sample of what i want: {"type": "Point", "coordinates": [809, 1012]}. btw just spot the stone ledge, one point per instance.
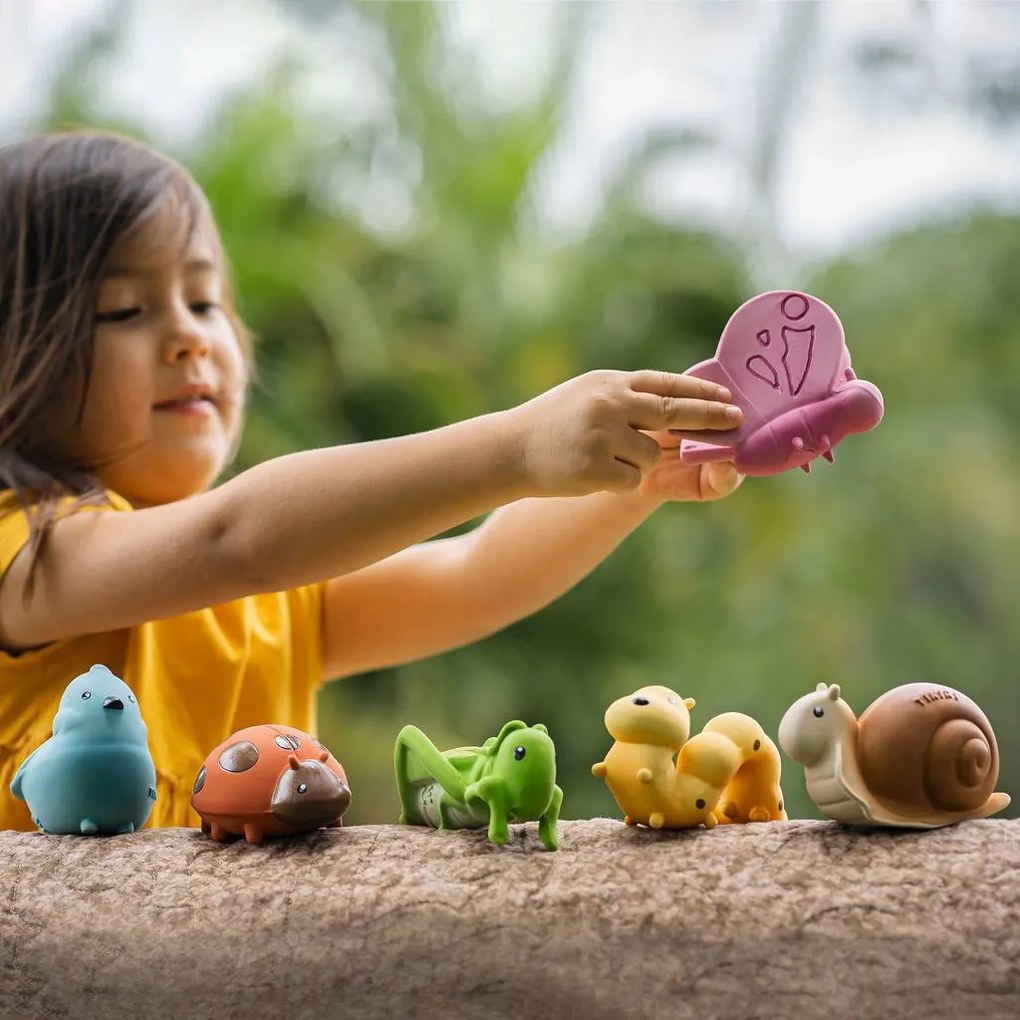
{"type": "Point", "coordinates": [796, 919]}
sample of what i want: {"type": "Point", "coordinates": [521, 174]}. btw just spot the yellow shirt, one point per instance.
{"type": "Point", "coordinates": [197, 677]}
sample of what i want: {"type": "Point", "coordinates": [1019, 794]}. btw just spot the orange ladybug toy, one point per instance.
{"type": "Point", "coordinates": [269, 781]}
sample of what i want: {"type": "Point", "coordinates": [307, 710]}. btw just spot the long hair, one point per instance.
{"type": "Point", "coordinates": [66, 199]}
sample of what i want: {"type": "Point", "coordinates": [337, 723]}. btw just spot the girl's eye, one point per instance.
{"type": "Point", "coordinates": [118, 315]}
{"type": "Point", "coordinates": [203, 307]}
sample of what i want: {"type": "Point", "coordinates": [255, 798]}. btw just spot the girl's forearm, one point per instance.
{"type": "Point", "coordinates": [327, 512]}
{"type": "Point", "coordinates": [529, 553]}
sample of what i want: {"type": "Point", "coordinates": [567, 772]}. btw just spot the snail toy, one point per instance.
{"type": "Point", "coordinates": [95, 775]}
{"type": "Point", "coordinates": [921, 756]}
{"type": "Point", "coordinates": [270, 781]}
{"type": "Point", "coordinates": [783, 356]}
{"type": "Point", "coordinates": [729, 772]}
{"type": "Point", "coordinates": [510, 778]}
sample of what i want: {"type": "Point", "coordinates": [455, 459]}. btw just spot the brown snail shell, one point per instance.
{"type": "Point", "coordinates": [927, 746]}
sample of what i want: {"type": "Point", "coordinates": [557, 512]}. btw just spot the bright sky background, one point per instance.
{"type": "Point", "coordinates": [858, 158]}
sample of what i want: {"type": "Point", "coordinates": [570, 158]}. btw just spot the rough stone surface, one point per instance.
{"type": "Point", "coordinates": [792, 920]}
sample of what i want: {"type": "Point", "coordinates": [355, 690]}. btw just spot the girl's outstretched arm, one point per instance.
{"type": "Point", "coordinates": [324, 513]}
{"type": "Point", "coordinates": [448, 593]}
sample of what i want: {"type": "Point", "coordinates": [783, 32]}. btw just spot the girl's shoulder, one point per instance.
{"type": "Point", "coordinates": [16, 518]}
{"type": "Point", "coordinates": [12, 503]}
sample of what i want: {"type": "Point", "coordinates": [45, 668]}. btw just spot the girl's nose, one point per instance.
{"type": "Point", "coordinates": [184, 341]}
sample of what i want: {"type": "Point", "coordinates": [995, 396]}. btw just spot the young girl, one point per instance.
{"type": "Point", "coordinates": [123, 369]}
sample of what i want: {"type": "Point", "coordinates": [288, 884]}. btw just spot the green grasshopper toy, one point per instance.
{"type": "Point", "coordinates": [510, 778]}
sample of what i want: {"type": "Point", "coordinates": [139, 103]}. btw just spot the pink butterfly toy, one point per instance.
{"type": "Point", "coordinates": [784, 358]}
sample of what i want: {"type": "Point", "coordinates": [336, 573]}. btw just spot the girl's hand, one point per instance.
{"type": "Point", "coordinates": [671, 478]}
{"type": "Point", "coordinates": [590, 433]}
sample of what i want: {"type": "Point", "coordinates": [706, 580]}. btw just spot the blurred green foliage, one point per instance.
{"type": "Point", "coordinates": [899, 563]}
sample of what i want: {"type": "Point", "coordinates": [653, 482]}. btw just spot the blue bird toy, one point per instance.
{"type": "Point", "coordinates": [95, 774]}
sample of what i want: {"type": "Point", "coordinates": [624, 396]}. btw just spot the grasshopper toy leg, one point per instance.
{"type": "Point", "coordinates": [492, 791]}
{"type": "Point", "coordinates": [445, 821]}
{"type": "Point", "coordinates": [411, 741]}
{"type": "Point", "coordinates": [499, 828]}
{"type": "Point", "coordinates": [547, 823]}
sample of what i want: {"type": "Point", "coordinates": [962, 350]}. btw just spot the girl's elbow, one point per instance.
{"type": "Point", "coordinates": [236, 550]}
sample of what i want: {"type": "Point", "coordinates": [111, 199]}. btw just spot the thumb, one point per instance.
{"type": "Point", "coordinates": [719, 479]}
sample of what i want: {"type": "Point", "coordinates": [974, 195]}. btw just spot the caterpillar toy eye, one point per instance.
{"type": "Point", "coordinates": [699, 804]}
{"type": "Point", "coordinates": [519, 753]}
{"type": "Point", "coordinates": [85, 695]}
{"type": "Point", "coordinates": [819, 711]}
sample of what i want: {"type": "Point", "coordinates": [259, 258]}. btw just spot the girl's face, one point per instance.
{"type": "Point", "coordinates": [164, 405]}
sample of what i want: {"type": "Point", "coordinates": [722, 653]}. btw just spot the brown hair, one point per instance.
{"type": "Point", "coordinates": [65, 201]}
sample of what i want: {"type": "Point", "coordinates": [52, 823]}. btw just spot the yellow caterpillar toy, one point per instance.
{"type": "Point", "coordinates": [729, 772]}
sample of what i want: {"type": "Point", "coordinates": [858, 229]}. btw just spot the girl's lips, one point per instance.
{"type": "Point", "coordinates": [200, 406]}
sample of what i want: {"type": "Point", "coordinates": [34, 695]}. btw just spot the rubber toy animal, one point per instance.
{"type": "Point", "coordinates": [784, 358]}
{"type": "Point", "coordinates": [95, 775]}
{"type": "Point", "coordinates": [269, 781]}
{"type": "Point", "coordinates": [729, 772]}
{"type": "Point", "coordinates": [510, 778]}
{"type": "Point", "coordinates": [921, 756]}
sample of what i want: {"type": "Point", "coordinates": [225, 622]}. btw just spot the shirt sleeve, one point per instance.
{"type": "Point", "coordinates": [307, 648]}
{"type": "Point", "coordinates": [13, 535]}
{"type": "Point", "coordinates": [14, 523]}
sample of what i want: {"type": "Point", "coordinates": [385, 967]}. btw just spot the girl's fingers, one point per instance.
{"type": "Point", "coordinates": [654, 412]}
{"type": "Point", "coordinates": [674, 384]}
{"type": "Point", "coordinates": [638, 450]}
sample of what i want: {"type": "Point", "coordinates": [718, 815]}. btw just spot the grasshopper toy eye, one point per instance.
{"type": "Point", "coordinates": [519, 753]}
